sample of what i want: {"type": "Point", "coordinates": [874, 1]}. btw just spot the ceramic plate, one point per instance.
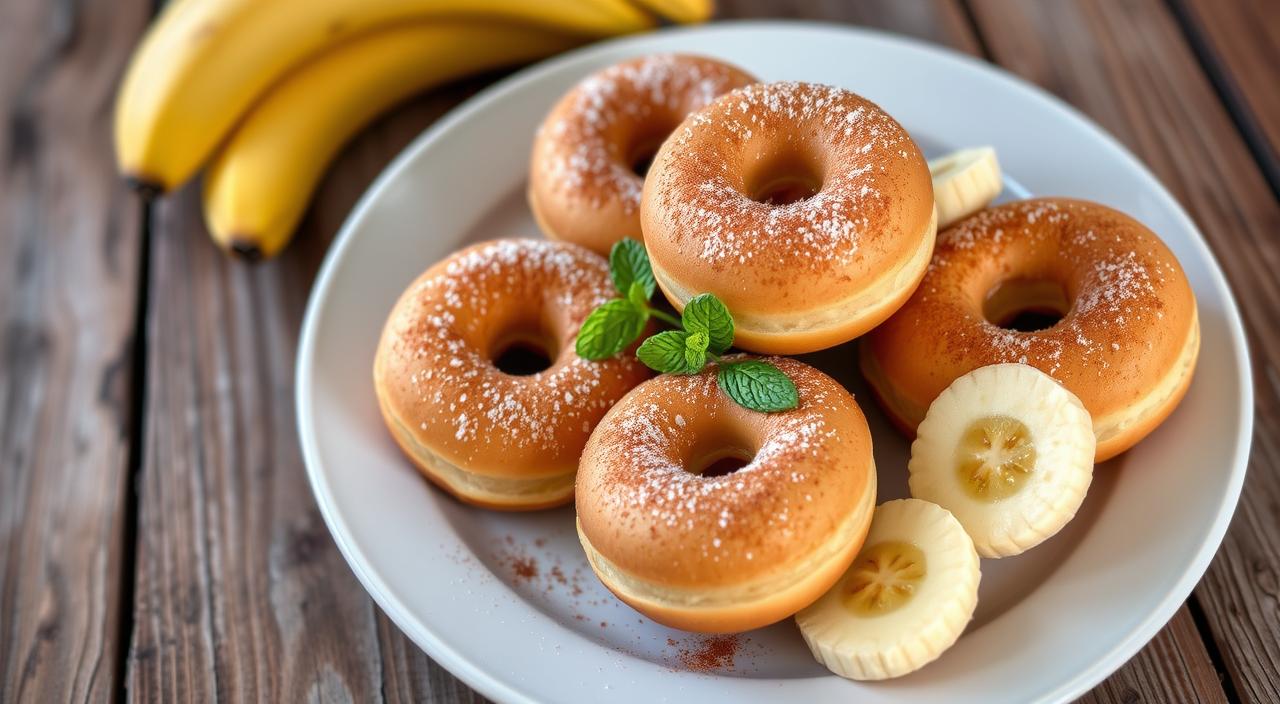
{"type": "Point", "coordinates": [507, 603]}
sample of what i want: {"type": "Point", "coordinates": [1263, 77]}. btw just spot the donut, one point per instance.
{"type": "Point", "coordinates": [459, 376]}
{"type": "Point", "coordinates": [697, 549]}
{"type": "Point", "coordinates": [1082, 292]}
{"type": "Point", "coordinates": [591, 152]}
{"type": "Point", "coordinates": [805, 208]}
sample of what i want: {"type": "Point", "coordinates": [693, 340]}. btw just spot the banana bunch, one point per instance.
{"type": "Point", "coordinates": [265, 92]}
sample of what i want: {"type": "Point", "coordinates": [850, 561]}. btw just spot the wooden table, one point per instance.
{"type": "Point", "coordinates": [157, 537]}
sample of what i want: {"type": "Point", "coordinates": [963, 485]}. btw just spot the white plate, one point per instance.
{"type": "Point", "coordinates": [1050, 624]}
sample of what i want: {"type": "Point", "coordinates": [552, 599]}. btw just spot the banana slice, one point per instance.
{"type": "Point", "coordinates": [1009, 451]}
{"type": "Point", "coordinates": [906, 598]}
{"type": "Point", "coordinates": [964, 182]}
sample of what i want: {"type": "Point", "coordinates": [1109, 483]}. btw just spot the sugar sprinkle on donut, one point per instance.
{"type": "Point", "coordinates": [663, 81]}
{"type": "Point", "coordinates": [825, 229]}
{"type": "Point", "coordinates": [446, 363]}
{"type": "Point", "coordinates": [1122, 286]}
{"type": "Point", "coordinates": [654, 480]}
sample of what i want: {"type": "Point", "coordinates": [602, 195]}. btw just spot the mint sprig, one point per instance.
{"type": "Point", "coordinates": [665, 352]}
{"type": "Point", "coordinates": [610, 329]}
{"type": "Point", "coordinates": [705, 313]}
{"type": "Point", "coordinates": [629, 264]}
{"type": "Point", "coordinates": [703, 333]}
{"type": "Point", "coordinates": [758, 385]}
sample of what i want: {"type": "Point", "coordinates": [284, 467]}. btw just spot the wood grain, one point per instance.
{"type": "Point", "coordinates": [68, 290]}
{"type": "Point", "coordinates": [241, 594]}
{"type": "Point", "coordinates": [938, 21]}
{"type": "Point", "coordinates": [1127, 65]}
{"type": "Point", "coordinates": [1171, 668]}
{"type": "Point", "coordinates": [1239, 42]}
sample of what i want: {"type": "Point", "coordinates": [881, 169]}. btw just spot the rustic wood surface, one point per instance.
{"type": "Point", "coordinates": [219, 581]}
{"type": "Point", "coordinates": [1238, 44]}
{"type": "Point", "coordinates": [69, 251]}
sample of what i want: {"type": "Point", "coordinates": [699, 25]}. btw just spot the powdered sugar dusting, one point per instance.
{"type": "Point", "coordinates": [647, 483]}
{"type": "Point", "coordinates": [1111, 267]}
{"type": "Point", "coordinates": [585, 157]}
{"type": "Point", "coordinates": [444, 327]}
{"type": "Point", "coordinates": [704, 200]}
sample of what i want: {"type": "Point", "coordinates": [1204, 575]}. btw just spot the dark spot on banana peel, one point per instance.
{"type": "Point", "coordinates": [246, 250]}
{"type": "Point", "coordinates": [145, 187]}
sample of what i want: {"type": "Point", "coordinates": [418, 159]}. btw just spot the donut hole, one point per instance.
{"type": "Point", "coordinates": [726, 461]}
{"type": "Point", "coordinates": [644, 146]}
{"type": "Point", "coordinates": [524, 353]}
{"type": "Point", "coordinates": [784, 178]}
{"type": "Point", "coordinates": [1027, 305]}
{"type": "Point", "coordinates": [720, 448]}
{"type": "Point", "coordinates": [640, 157]}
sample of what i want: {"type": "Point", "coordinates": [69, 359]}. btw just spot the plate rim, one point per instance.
{"type": "Point", "coordinates": [477, 677]}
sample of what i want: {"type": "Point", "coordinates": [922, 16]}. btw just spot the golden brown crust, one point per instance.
{"type": "Point", "coordinates": [1126, 347]}
{"type": "Point", "coordinates": [490, 437]}
{"type": "Point", "coordinates": [811, 273]}
{"type": "Point", "coordinates": [735, 551]}
{"type": "Point", "coordinates": [582, 186]}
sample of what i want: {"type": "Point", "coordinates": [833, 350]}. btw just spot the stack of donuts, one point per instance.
{"type": "Point", "coordinates": [1015, 344]}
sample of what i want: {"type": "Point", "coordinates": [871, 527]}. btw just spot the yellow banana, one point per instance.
{"type": "Point", "coordinates": [684, 11]}
{"type": "Point", "coordinates": [204, 62]}
{"type": "Point", "coordinates": [258, 185]}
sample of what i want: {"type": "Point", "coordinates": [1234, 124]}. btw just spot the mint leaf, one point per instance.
{"type": "Point", "coordinates": [758, 385]}
{"type": "Point", "coordinates": [629, 264]}
{"type": "Point", "coordinates": [610, 329]}
{"type": "Point", "coordinates": [695, 351]}
{"type": "Point", "coordinates": [705, 313]}
{"type": "Point", "coordinates": [665, 352]}
{"type": "Point", "coordinates": [637, 295]}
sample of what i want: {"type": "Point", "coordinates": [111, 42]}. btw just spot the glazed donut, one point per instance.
{"type": "Point", "coordinates": [489, 437]}
{"type": "Point", "coordinates": [1126, 343]}
{"type": "Point", "coordinates": [805, 208]}
{"type": "Point", "coordinates": [584, 177]}
{"type": "Point", "coordinates": [728, 552]}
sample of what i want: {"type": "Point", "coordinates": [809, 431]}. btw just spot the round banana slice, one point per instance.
{"type": "Point", "coordinates": [964, 182]}
{"type": "Point", "coordinates": [1009, 451]}
{"type": "Point", "coordinates": [906, 598]}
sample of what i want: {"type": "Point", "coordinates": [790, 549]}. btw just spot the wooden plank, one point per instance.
{"type": "Point", "coordinates": [1128, 66]}
{"type": "Point", "coordinates": [410, 676]}
{"type": "Point", "coordinates": [939, 21]}
{"type": "Point", "coordinates": [241, 593]}
{"type": "Point", "coordinates": [1239, 42]}
{"type": "Point", "coordinates": [69, 243]}
{"type": "Point", "coordinates": [1171, 668]}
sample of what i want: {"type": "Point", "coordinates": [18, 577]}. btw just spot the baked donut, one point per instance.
{"type": "Point", "coordinates": [1082, 292]}
{"type": "Point", "coordinates": [805, 208]}
{"type": "Point", "coordinates": [592, 150]}
{"type": "Point", "coordinates": [696, 549]}
{"type": "Point", "coordinates": [455, 384]}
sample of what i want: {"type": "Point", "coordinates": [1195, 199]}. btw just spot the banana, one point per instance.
{"type": "Point", "coordinates": [964, 182]}
{"type": "Point", "coordinates": [1009, 451]}
{"type": "Point", "coordinates": [907, 596]}
{"type": "Point", "coordinates": [204, 62]}
{"type": "Point", "coordinates": [683, 11]}
{"type": "Point", "coordinates": [258, 185]}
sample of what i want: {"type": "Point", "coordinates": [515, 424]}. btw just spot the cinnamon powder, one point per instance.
{"type": "Point", "coordinates": [710, 654]}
